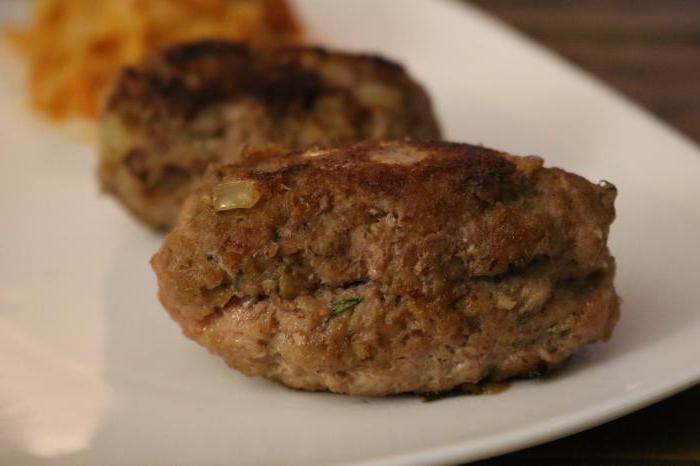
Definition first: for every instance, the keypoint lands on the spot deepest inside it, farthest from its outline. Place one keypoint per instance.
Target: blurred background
(649, 50)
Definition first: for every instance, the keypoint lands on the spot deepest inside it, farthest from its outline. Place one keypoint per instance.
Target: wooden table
(650, 51)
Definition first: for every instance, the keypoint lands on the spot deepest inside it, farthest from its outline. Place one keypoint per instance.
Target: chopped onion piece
(235, 194)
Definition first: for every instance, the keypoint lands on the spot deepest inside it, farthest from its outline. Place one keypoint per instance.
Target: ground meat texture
(389, 267)
(168, 117)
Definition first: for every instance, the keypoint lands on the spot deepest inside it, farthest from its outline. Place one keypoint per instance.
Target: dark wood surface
(647, 49)
(650, 51)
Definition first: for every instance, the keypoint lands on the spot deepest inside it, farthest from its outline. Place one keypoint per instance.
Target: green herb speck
(345, 305)
(237, 281)
(607, 185)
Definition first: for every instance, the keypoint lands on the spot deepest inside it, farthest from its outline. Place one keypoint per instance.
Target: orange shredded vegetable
(75, 47)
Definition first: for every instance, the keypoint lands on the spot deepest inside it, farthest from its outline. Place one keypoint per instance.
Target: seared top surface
(183, 79)
(418, 219)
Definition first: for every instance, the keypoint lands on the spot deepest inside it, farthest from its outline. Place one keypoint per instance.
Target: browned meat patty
(167, 118)
(391, 267)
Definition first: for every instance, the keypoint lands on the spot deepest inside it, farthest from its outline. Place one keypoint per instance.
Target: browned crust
(469, 263)
(464, 211)
(183, 79)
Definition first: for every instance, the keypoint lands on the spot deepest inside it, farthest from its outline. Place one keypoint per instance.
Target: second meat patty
(168, 117)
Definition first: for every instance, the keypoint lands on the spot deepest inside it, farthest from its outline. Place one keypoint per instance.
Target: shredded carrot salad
(75, 47)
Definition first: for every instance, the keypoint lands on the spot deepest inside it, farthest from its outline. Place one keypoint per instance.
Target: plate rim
(520, 439)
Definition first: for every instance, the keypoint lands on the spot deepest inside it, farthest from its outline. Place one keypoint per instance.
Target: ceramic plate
(95, 372)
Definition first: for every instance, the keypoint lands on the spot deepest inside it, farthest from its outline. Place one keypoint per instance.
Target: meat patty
(389, 267)
(168, 117)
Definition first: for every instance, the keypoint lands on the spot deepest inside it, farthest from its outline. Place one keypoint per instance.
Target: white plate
(94, 372)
